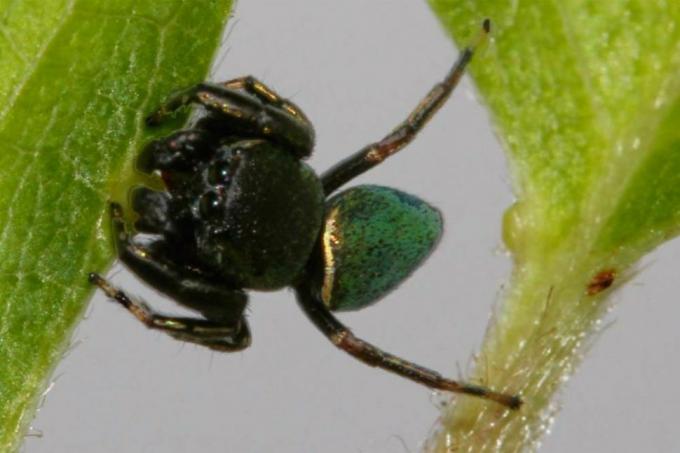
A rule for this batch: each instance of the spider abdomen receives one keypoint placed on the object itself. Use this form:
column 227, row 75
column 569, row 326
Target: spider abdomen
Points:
column 374, row 237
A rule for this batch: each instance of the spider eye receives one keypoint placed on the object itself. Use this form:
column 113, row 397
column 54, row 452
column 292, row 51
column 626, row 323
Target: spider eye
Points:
column 222, row 170
column 211, row 205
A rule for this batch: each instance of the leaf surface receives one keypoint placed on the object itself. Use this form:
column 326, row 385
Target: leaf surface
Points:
column 585, row 96
column 76, row 79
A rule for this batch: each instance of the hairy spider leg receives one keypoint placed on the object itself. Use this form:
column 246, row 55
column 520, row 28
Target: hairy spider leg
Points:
column 266, row 94
column 213, row 97
column 247, row 105
column 343, row 338
column 212, row 334
column 375, row 153
column 225, row 327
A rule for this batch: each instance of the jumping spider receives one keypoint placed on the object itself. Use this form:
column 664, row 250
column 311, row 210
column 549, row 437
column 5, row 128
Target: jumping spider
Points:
column 241, row 210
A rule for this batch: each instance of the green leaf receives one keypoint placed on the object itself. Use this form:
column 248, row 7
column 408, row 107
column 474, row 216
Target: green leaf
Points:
column 76, row 79
column 585, row 95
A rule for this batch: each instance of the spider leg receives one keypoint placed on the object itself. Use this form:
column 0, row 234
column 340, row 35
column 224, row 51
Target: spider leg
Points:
column 343, row 338
column 195, row 292
column 221, row 336
column 373, row 154
column 267, row 95
column 244, row 106
column 212, row 97
column 222, row 306
column 178, row 152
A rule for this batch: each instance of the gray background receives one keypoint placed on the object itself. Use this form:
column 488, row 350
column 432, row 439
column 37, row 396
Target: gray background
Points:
column 356, row 68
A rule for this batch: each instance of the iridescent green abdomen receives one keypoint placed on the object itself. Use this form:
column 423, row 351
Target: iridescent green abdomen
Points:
column 374, row 237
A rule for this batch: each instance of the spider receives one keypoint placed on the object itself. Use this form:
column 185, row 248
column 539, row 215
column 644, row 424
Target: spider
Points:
column 242, row 211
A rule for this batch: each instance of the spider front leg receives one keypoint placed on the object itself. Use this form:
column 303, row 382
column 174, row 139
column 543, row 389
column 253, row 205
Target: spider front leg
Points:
column 373, row 154
column 201, row 93
column 267, row 95
column 343, row 338
column 178, row 152
column 215, row 335
column 224, row 328
column 245, row 107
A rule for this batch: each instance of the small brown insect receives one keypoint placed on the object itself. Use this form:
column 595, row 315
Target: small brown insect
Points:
column 601, row 281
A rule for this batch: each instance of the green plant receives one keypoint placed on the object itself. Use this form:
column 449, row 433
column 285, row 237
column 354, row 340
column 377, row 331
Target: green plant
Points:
column 76, row 77
column 584, row 95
